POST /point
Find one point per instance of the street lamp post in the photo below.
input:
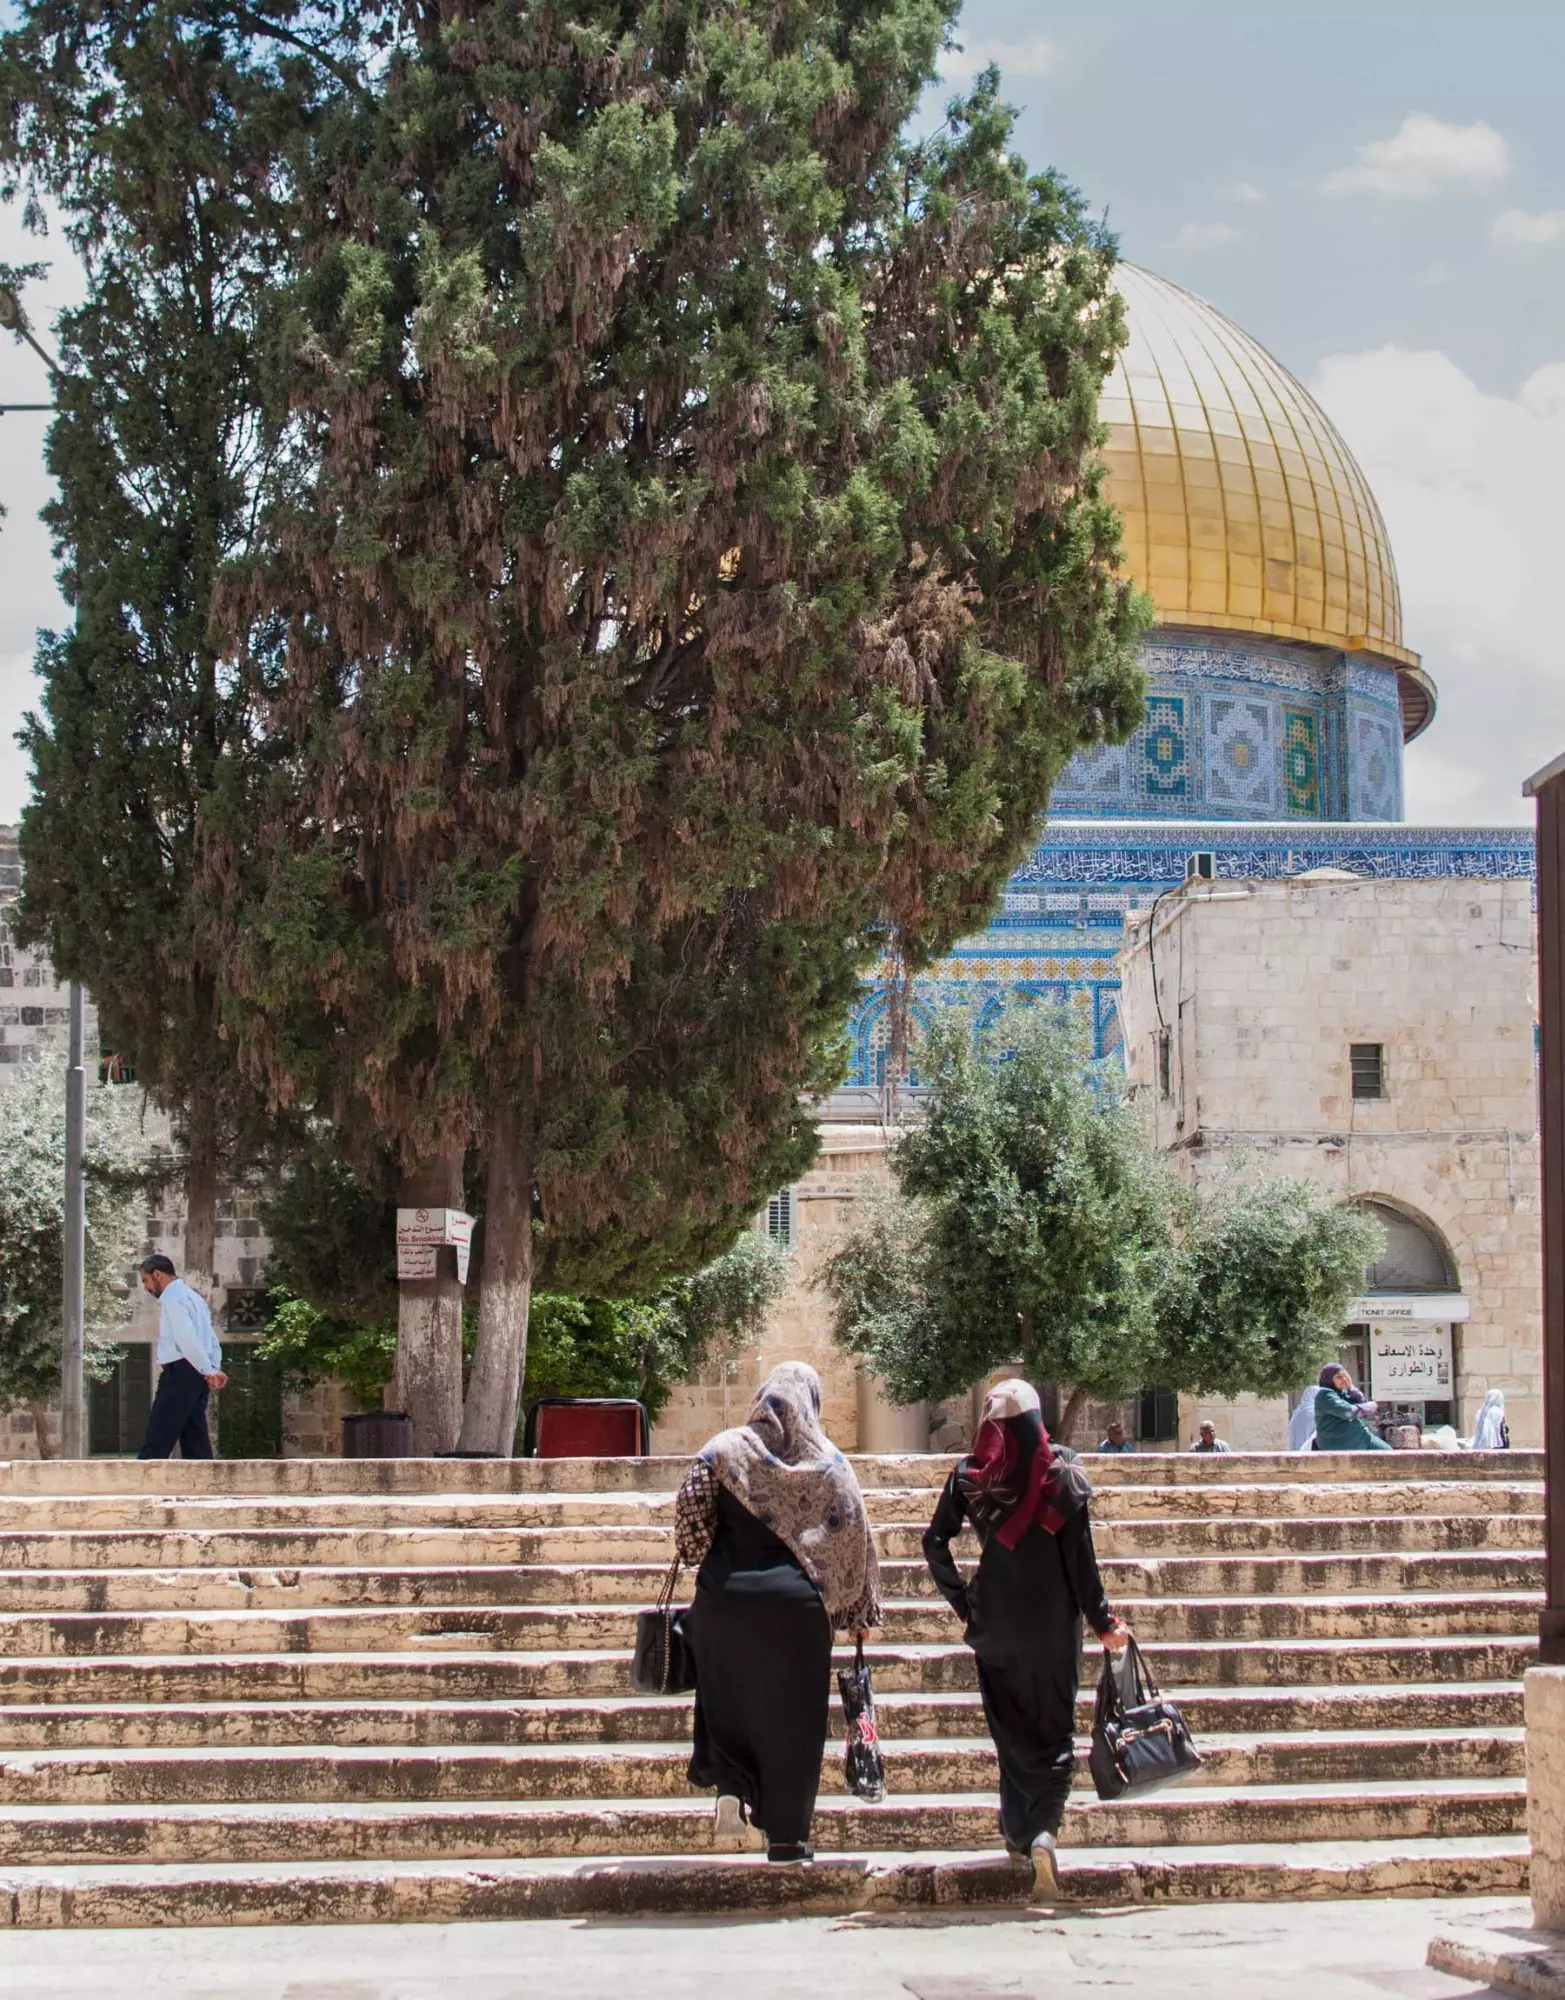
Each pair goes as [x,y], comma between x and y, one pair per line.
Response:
[73,1336]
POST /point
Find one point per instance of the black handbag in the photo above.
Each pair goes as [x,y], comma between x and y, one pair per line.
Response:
[864,1768]
[663,1662]
[1139,1745]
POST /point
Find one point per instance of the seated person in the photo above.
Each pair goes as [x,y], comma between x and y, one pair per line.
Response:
[1115,1439]
[1340,1410]
[1209,1440]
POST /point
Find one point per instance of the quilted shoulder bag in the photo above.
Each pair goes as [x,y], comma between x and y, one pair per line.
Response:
[1139,1743]
[663,1662]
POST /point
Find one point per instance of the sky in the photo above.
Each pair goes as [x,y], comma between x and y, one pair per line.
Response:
[1373,188]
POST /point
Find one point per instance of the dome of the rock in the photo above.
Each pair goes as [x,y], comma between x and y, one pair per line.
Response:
[1244,510]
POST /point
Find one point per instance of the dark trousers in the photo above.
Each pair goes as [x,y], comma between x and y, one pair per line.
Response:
[178,1414]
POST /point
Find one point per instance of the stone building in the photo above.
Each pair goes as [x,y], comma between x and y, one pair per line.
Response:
[1377,1038]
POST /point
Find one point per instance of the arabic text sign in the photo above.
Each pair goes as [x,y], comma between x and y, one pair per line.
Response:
[1409,1363]
[420,1234]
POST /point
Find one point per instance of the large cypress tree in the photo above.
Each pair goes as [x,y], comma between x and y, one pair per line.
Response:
[701,580]
[159,136]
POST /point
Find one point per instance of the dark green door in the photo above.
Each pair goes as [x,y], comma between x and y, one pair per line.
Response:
[249,1412]
[117,1405]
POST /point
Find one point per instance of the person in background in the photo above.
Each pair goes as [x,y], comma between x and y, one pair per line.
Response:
[1209,1440]
[1492,1433]
[1301,1425]
[1115,1439]
[1022,1610]
[190,1361]
[772,1513]
[1340,1413]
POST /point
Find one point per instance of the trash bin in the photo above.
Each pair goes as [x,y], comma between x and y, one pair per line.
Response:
[378,1434]
[585,1427]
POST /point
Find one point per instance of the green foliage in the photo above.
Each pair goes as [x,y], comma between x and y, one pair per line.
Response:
[311,1345]
[1265,1270]
[333,1236]
[576,1347]
[1034,1223]
[151,135]
[688,577]
[32,1211]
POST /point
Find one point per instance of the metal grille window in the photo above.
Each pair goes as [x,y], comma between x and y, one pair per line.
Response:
[779,1218]
[1367,1061]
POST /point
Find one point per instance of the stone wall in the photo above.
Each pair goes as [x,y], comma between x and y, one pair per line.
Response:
[852,1159]
[1261,987]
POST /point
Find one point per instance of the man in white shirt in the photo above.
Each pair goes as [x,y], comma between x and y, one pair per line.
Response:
[191,1362]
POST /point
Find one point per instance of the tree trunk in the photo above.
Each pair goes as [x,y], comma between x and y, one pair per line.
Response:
[494,1388]
[1071,1411]
[201,1179]
[428,1381]
[47,1446]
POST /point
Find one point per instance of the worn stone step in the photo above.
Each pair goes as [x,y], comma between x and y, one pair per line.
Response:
[619,1475]
[349,1891]
[239,1831]
[541,1627]
[600,1584]
[186,1548]
[308,1774]
[479,1674]
[1476,1708]
[889,1506]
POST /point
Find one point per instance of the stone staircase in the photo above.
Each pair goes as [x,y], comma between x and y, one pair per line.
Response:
[325,1691]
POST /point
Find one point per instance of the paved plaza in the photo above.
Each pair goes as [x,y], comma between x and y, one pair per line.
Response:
[1298,1951]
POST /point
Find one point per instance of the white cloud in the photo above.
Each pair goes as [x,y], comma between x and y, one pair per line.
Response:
[1517,227]
[1473,490]
[1206,236]
[1038,56]
[1424,157]
[1245,193]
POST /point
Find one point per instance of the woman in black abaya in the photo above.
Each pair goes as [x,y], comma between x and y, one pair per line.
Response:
[1036,1580]
[773,1514]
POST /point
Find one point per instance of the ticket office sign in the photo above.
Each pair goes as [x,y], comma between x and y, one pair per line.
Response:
[421,1232]
[1410,1364]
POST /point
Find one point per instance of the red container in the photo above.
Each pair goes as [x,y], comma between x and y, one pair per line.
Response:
[586,1427]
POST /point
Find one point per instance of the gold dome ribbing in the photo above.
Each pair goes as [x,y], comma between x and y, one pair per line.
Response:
[1243,508]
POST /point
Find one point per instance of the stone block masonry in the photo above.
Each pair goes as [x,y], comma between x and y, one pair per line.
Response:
[1259,991]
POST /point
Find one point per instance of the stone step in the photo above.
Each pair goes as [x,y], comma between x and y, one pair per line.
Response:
[352,1891]
[477,1674]
[587,1626]
[1479,1707]
[39,1551]
[238,1831]
[169,1477]
[326,1586]
[908,1508]
[575,1771]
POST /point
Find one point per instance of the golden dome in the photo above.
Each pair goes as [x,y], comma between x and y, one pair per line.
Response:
[1243,508]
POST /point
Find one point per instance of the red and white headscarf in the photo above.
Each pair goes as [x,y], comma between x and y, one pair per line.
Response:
[1013,1477]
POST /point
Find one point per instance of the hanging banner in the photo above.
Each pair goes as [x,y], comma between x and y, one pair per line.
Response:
[1409,1364]
[421,1232]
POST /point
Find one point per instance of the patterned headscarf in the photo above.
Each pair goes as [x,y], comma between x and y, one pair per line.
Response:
[782,1468]
[1013,1477]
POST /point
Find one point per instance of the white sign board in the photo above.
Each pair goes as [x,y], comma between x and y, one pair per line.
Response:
[1409,1364]
[420,1234]
[1436,1308]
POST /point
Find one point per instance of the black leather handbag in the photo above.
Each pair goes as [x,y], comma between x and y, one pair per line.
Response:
[1140,1744]
[663,1662]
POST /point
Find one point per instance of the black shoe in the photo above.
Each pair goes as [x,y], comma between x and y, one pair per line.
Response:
[794,1851]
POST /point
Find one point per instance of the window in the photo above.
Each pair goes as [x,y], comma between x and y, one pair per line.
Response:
[1367,1061]
[247,1310]
[1157,1414]
[1165,1063]
[779,1219]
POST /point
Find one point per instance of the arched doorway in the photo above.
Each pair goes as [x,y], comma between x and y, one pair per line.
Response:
[1401,1340]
